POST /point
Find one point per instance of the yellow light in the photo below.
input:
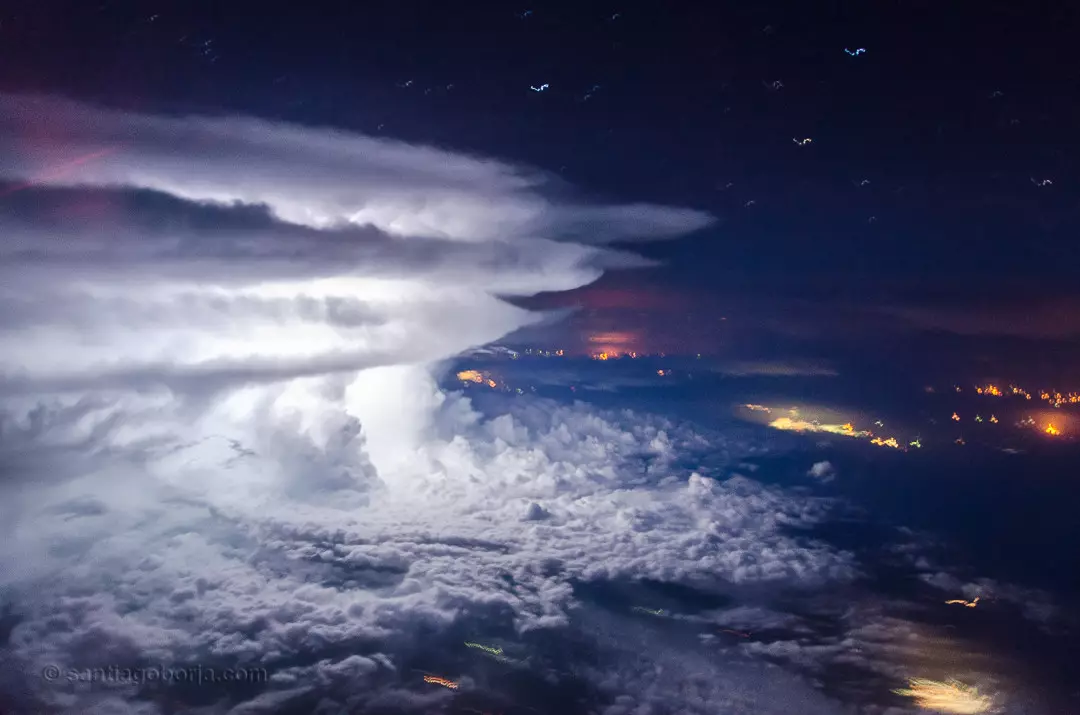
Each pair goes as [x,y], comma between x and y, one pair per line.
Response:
[485,648]
[491,383]
[470,376]
[993,419]
[441,681]
[788,424]
[757,408]
[890,442]
[948,697]
[1052,430]
[956,417]
[962,602]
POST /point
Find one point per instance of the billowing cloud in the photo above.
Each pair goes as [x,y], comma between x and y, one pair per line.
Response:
[222,440]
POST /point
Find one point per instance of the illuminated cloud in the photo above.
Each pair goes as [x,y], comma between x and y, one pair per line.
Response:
[822,471]
[310,177]
[223,440]
[775,369]
[946,697]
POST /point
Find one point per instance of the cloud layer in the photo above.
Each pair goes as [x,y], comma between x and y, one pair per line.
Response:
[222,440]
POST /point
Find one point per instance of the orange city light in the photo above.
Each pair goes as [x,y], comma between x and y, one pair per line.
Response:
[441,681]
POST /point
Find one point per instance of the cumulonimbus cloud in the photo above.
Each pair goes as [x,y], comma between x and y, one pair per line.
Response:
[222,441]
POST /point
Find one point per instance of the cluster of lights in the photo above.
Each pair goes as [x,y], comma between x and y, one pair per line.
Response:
[487,649]
[543,353]
[1055,398]
[435,680]
[848,430]
[477,377]
[890,442]
[948,697]
[616,355]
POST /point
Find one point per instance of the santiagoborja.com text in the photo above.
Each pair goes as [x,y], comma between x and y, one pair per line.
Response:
[192,675]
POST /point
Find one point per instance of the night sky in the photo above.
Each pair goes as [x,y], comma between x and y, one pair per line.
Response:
[937,197]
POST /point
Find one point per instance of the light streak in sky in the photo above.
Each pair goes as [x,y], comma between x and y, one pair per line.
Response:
[916,444]
[59,171]
[856,53]
[1041,182]
[735,633]
[757,408]
[541,88]
[441,681]
[802,142]
[642,609]
[485,648]
[949,697]
[962,602]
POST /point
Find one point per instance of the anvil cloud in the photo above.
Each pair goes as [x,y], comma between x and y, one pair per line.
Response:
[222,440]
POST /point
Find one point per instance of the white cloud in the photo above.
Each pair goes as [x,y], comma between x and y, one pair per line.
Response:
[223,444]
[822,471]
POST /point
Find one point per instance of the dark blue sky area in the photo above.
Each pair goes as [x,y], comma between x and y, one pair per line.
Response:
[939,185]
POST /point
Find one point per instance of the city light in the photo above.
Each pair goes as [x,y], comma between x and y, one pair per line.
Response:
[948,697]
